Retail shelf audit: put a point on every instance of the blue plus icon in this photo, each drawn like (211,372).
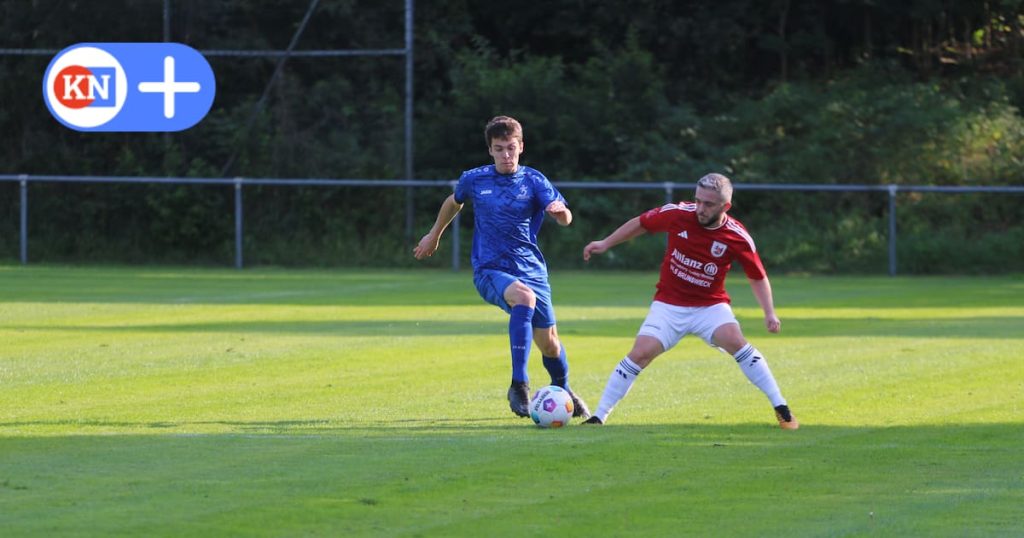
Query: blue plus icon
(169,87)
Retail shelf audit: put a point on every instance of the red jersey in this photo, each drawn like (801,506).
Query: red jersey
(697,259)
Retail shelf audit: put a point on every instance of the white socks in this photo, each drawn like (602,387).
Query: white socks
(750,360)
(618,386)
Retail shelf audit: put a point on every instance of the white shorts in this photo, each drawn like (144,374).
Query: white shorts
(670,323)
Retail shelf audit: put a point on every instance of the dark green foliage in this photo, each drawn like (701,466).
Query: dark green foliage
(841,91)
(969,234)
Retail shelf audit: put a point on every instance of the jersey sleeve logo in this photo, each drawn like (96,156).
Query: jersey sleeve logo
(717,249)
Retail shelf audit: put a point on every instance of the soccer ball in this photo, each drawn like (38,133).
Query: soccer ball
(551,407)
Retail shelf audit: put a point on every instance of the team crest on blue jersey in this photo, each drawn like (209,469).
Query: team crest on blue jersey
(128,87)
(717,249)
(523,193)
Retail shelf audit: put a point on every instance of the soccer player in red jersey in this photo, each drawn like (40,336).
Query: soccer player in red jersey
(703,241)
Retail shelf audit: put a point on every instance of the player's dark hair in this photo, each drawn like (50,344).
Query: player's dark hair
(502,127)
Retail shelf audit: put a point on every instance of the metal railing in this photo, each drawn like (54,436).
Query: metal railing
(668,187)
(407,52)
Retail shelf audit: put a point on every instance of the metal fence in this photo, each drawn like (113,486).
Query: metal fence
(668,187)
(281,56)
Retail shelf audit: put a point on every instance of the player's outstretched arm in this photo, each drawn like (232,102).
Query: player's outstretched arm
(627,231)
(429,243)
(763,293)
(559,212)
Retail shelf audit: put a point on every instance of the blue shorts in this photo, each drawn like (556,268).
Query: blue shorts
(492,284)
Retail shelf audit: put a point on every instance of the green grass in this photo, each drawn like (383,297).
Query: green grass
(184,402)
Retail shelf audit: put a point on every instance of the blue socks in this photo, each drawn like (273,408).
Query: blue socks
(520,335)
(558,367)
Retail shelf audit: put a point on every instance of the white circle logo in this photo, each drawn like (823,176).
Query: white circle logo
(85,87)
(710,269)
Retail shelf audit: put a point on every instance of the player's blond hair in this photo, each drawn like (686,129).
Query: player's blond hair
(718,183)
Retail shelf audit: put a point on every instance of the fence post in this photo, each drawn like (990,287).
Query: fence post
(238,223)
(892,230)
(410,209)
(23,232)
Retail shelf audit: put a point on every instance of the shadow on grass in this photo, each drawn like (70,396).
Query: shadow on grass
(505,424)
(296,427)
(446,477)
(429,287)
(963,327)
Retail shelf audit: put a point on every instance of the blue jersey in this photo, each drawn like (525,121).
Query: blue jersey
(508,212)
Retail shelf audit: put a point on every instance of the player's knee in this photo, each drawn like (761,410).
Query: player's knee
(645,349)
(731,345)
(642,357)
(520,294)
(729,337)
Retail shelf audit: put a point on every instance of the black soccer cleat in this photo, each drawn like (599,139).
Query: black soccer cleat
(519,398)
(593,420)
(579,407)
(785,417)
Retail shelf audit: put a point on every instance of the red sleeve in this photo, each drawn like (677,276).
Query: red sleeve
(659,218)
(746,252)
(752,265)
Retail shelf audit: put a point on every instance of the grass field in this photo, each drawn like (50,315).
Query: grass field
(189,402)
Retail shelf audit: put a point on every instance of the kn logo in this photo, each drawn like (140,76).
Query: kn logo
(129,87)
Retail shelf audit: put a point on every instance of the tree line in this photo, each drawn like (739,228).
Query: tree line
(835,91)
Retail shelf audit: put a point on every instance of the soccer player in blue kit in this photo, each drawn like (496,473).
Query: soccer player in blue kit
(509,271)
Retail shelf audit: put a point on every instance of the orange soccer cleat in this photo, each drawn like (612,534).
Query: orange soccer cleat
(786,419)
